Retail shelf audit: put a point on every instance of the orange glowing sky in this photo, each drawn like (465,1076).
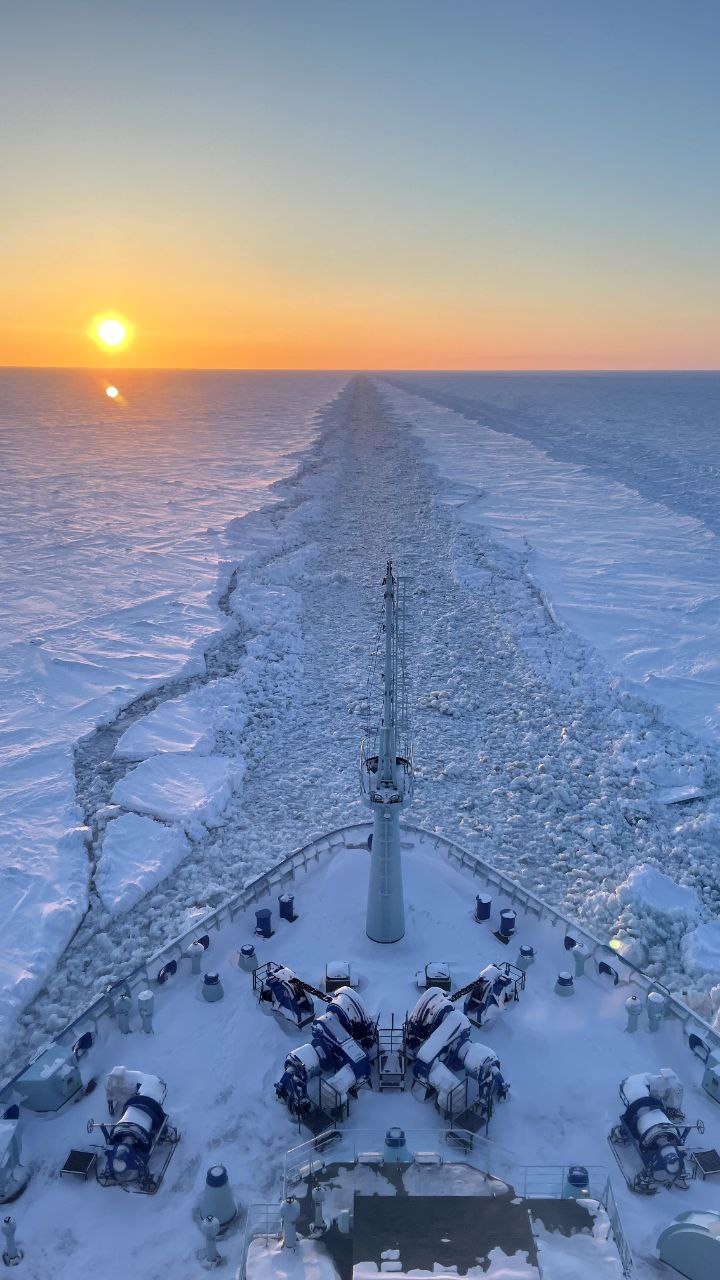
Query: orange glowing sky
(413,185)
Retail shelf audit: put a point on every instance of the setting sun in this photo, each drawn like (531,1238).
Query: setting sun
(111,332)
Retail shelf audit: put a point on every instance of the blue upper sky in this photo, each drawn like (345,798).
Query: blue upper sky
(499,167)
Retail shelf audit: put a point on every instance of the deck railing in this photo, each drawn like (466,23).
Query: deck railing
(428,1146)
(616,1227)
(309,856)
(691,1021)
(263,1221)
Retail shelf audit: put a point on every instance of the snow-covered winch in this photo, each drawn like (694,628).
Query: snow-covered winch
(337,1060)
(496,986)
(654,1125)
(282,991)
(140,1144)
(463,1077)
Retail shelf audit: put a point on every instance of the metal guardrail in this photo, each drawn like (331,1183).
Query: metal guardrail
(311,854)
(263,1220)
(616,1228)
(532,1182)
(691,1021)
(274,879)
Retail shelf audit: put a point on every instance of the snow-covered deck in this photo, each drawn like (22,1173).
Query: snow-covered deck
(563,1058)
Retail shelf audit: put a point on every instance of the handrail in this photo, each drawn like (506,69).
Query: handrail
(262,1220)
(313,851)
(691,1021)
(532,1182)
(146,972)
(610,1204)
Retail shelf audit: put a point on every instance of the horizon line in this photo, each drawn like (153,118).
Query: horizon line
(83,368)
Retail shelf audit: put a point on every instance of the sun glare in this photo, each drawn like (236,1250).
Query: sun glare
(112,392)
(111,332)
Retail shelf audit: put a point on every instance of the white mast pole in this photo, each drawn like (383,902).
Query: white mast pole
(388,767)
(385,921)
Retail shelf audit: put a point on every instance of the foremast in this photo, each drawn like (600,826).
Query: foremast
(387,774)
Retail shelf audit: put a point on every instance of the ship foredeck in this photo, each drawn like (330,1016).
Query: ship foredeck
(563,1058)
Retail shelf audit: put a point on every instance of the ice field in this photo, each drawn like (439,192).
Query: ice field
(200,588)
(617,517)
(116,529)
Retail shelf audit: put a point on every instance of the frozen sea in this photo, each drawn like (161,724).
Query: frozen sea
(194,570)
(116,539)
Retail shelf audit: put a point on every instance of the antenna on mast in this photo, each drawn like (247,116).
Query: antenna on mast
(386,772)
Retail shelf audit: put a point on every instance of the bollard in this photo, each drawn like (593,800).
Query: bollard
(655,1009)
(526,957)
(508,918)
(218,1201)
(577,1183)
(124,1007)
(483,904)
(110,997)
(580,956)
(210,1228)
(564,985)
(396,1151)
(286,905)
(11,1254)
(146,1005)
(248,959)
(263,923)
(318,1198)
(633,1009)
(195,951)
(289,1214)
(212,987)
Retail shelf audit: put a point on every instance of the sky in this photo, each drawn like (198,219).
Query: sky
(431,184)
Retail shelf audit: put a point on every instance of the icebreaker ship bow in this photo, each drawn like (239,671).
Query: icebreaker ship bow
(406,1148)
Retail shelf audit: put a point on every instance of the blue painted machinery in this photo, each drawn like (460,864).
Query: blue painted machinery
(649,1141)
(140,1143)
(429,1012)
(280,990)
(437,1036)
(321,1076)
(495,987)
(353,1015)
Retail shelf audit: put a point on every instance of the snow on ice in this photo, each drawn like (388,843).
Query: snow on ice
(528,750)
(648,887)
(118,534)
(637,579)
(177,725)
(701,949)
(137,853)
(184,788)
